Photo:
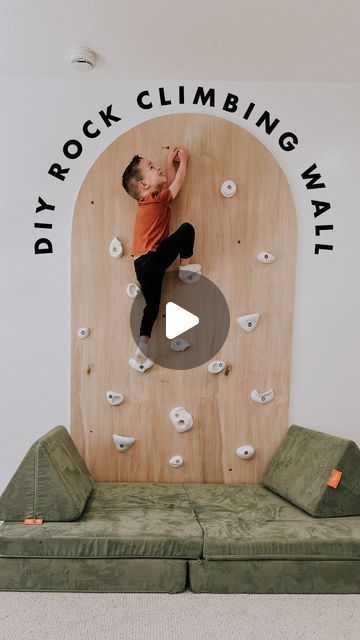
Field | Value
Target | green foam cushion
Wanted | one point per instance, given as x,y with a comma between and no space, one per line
52,482
120,520
248,521
302,465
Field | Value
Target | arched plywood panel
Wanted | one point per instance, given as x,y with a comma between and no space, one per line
230,232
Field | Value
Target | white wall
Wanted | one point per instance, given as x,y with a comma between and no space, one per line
38,116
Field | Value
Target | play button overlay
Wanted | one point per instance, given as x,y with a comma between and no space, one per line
198,312
178,320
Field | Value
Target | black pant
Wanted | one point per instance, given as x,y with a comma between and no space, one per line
150,269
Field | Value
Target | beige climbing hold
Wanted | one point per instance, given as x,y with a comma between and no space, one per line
217,366
190,273
181,419
133,290
83,332
249,322
114,397
245,452
123,443
265,257
116,248
179,344
176,461
140,366
262,398
228,188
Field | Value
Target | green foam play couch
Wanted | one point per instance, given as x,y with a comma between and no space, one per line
296,532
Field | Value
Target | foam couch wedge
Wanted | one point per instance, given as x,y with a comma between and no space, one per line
304,464
52,482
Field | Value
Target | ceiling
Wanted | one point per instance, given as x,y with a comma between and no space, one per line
243,40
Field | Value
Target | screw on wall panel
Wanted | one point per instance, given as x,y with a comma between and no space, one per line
239,241
92,201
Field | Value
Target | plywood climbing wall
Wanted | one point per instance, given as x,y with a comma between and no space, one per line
230,232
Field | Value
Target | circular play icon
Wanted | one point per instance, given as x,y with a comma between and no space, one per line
192,324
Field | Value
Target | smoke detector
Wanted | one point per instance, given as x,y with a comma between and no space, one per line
82,59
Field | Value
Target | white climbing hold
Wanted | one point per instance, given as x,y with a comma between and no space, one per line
116,248
190,273
246,452
265,257
176,461
140,366
179,344
228,188
114,397
133,290
217,366
83,332
262,398
249,322
123,443
181,419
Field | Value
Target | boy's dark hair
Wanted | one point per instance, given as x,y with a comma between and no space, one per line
131,176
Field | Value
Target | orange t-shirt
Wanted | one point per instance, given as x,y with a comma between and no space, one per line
152,221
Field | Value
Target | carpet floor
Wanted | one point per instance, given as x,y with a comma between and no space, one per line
137,616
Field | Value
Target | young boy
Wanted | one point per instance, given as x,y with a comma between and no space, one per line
153,249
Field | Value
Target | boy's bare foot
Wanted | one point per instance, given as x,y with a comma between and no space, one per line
141,354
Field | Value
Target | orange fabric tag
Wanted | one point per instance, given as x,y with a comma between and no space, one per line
33,521
334,478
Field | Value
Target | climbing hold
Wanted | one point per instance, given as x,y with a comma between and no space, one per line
140,366
83,332
123,443
181,419
114,397
176,461
246,452
249,322
190,273
179,344
265,257
262,398
116,248
228,188
133,290
217,366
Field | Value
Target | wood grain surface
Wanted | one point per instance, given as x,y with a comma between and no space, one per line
230,232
